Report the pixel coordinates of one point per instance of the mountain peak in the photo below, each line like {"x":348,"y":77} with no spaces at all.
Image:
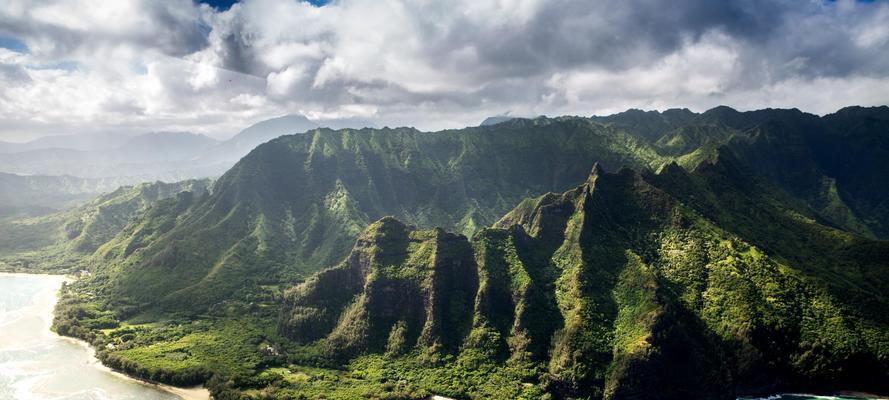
{"x":266,"y":130}
{"x":670,"y":168}
{"x":722,"y":114}
{"x":385,"y":229}
{"x":496,"y":120}
{"x":595,"y":173}
{"x":881,"y":112}
{"x":722,"y":109}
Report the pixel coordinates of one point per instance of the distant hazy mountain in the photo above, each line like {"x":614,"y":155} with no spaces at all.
{"x":254,"y":135}
{"x":269,"y":129}
{"x":83,"y":142}
{"x":34,"y":195}
{"x":165,"y":156}
{"x":495,"y":120}
{"x":243,"y":142}
{"x":165,"y":146}
{"x":152,"y":156}
{"x":10,"y":147}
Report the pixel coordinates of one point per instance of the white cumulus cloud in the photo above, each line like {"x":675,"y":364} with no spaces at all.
{"x":139,"y":65}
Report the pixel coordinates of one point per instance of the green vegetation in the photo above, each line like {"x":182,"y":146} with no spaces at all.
{"x":297,"y":203}
{"x":64,"y":241}
{"x":641,"y":283}
{"x":748,"y":263}
{"x":23,"y":196}
{"x":236,"y":341}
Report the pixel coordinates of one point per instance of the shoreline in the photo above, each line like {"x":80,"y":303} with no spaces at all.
{"x":202,"y":393}
{"x":65,"y":277}
{"x":186,"y":393}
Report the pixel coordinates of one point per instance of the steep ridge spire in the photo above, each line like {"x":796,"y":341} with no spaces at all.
{"x":595,"y":173}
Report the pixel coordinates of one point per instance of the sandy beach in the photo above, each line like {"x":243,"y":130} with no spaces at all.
{"x":33,"y":329}
{"x":192,"y":393}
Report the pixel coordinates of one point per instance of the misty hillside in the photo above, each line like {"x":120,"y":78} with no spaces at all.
{"x":62,"y":239}
{"x":165,"y":156}
{"x":35,"y":195}
{"x":82,"y":142}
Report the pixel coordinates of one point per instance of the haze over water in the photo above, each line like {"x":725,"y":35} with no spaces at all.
{"x":36,"y":364}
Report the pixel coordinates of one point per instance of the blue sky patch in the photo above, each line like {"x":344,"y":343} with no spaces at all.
{"x":223,"y":5}
{"x":69,"y":66}
{"x":11,"y":43}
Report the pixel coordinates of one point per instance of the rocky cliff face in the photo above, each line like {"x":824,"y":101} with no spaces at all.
{"x":748,"y":263}
{"x":296,"y":204}
{"x":616,"y":288}
{"x":399,"y":289}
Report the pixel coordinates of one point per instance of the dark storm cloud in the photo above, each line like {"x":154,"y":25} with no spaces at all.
{"x":621,"y":34}
{"x":237,"y":55}
{"x":615,"y":34}
{"x":178,"y":37}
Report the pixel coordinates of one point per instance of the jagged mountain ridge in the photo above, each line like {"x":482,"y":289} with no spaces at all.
{"x":552,"y":305}
{"x":619,"y":288}
{"x":810,"y":157}
{"x":295,"y":204}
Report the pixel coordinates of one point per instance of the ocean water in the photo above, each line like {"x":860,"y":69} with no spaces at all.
{"x":36,"y":364}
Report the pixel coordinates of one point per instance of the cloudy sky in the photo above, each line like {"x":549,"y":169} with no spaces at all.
{"x":69,"y":66}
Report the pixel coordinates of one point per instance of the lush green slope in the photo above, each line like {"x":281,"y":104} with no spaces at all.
{"x":618,"y":289}
{"x":853,"y":151}
{"x":834,"y":164}
{"x":59,"y":241}
{"x":749,"y":259}
{"x":296,"y":204}
{"x":28,"y":196}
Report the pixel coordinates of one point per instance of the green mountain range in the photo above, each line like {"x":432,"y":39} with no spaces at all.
{"x":35,"y":195}
{"x":63,"y":241}
{"x":618,"y":289}
{"x":738,"y":253}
